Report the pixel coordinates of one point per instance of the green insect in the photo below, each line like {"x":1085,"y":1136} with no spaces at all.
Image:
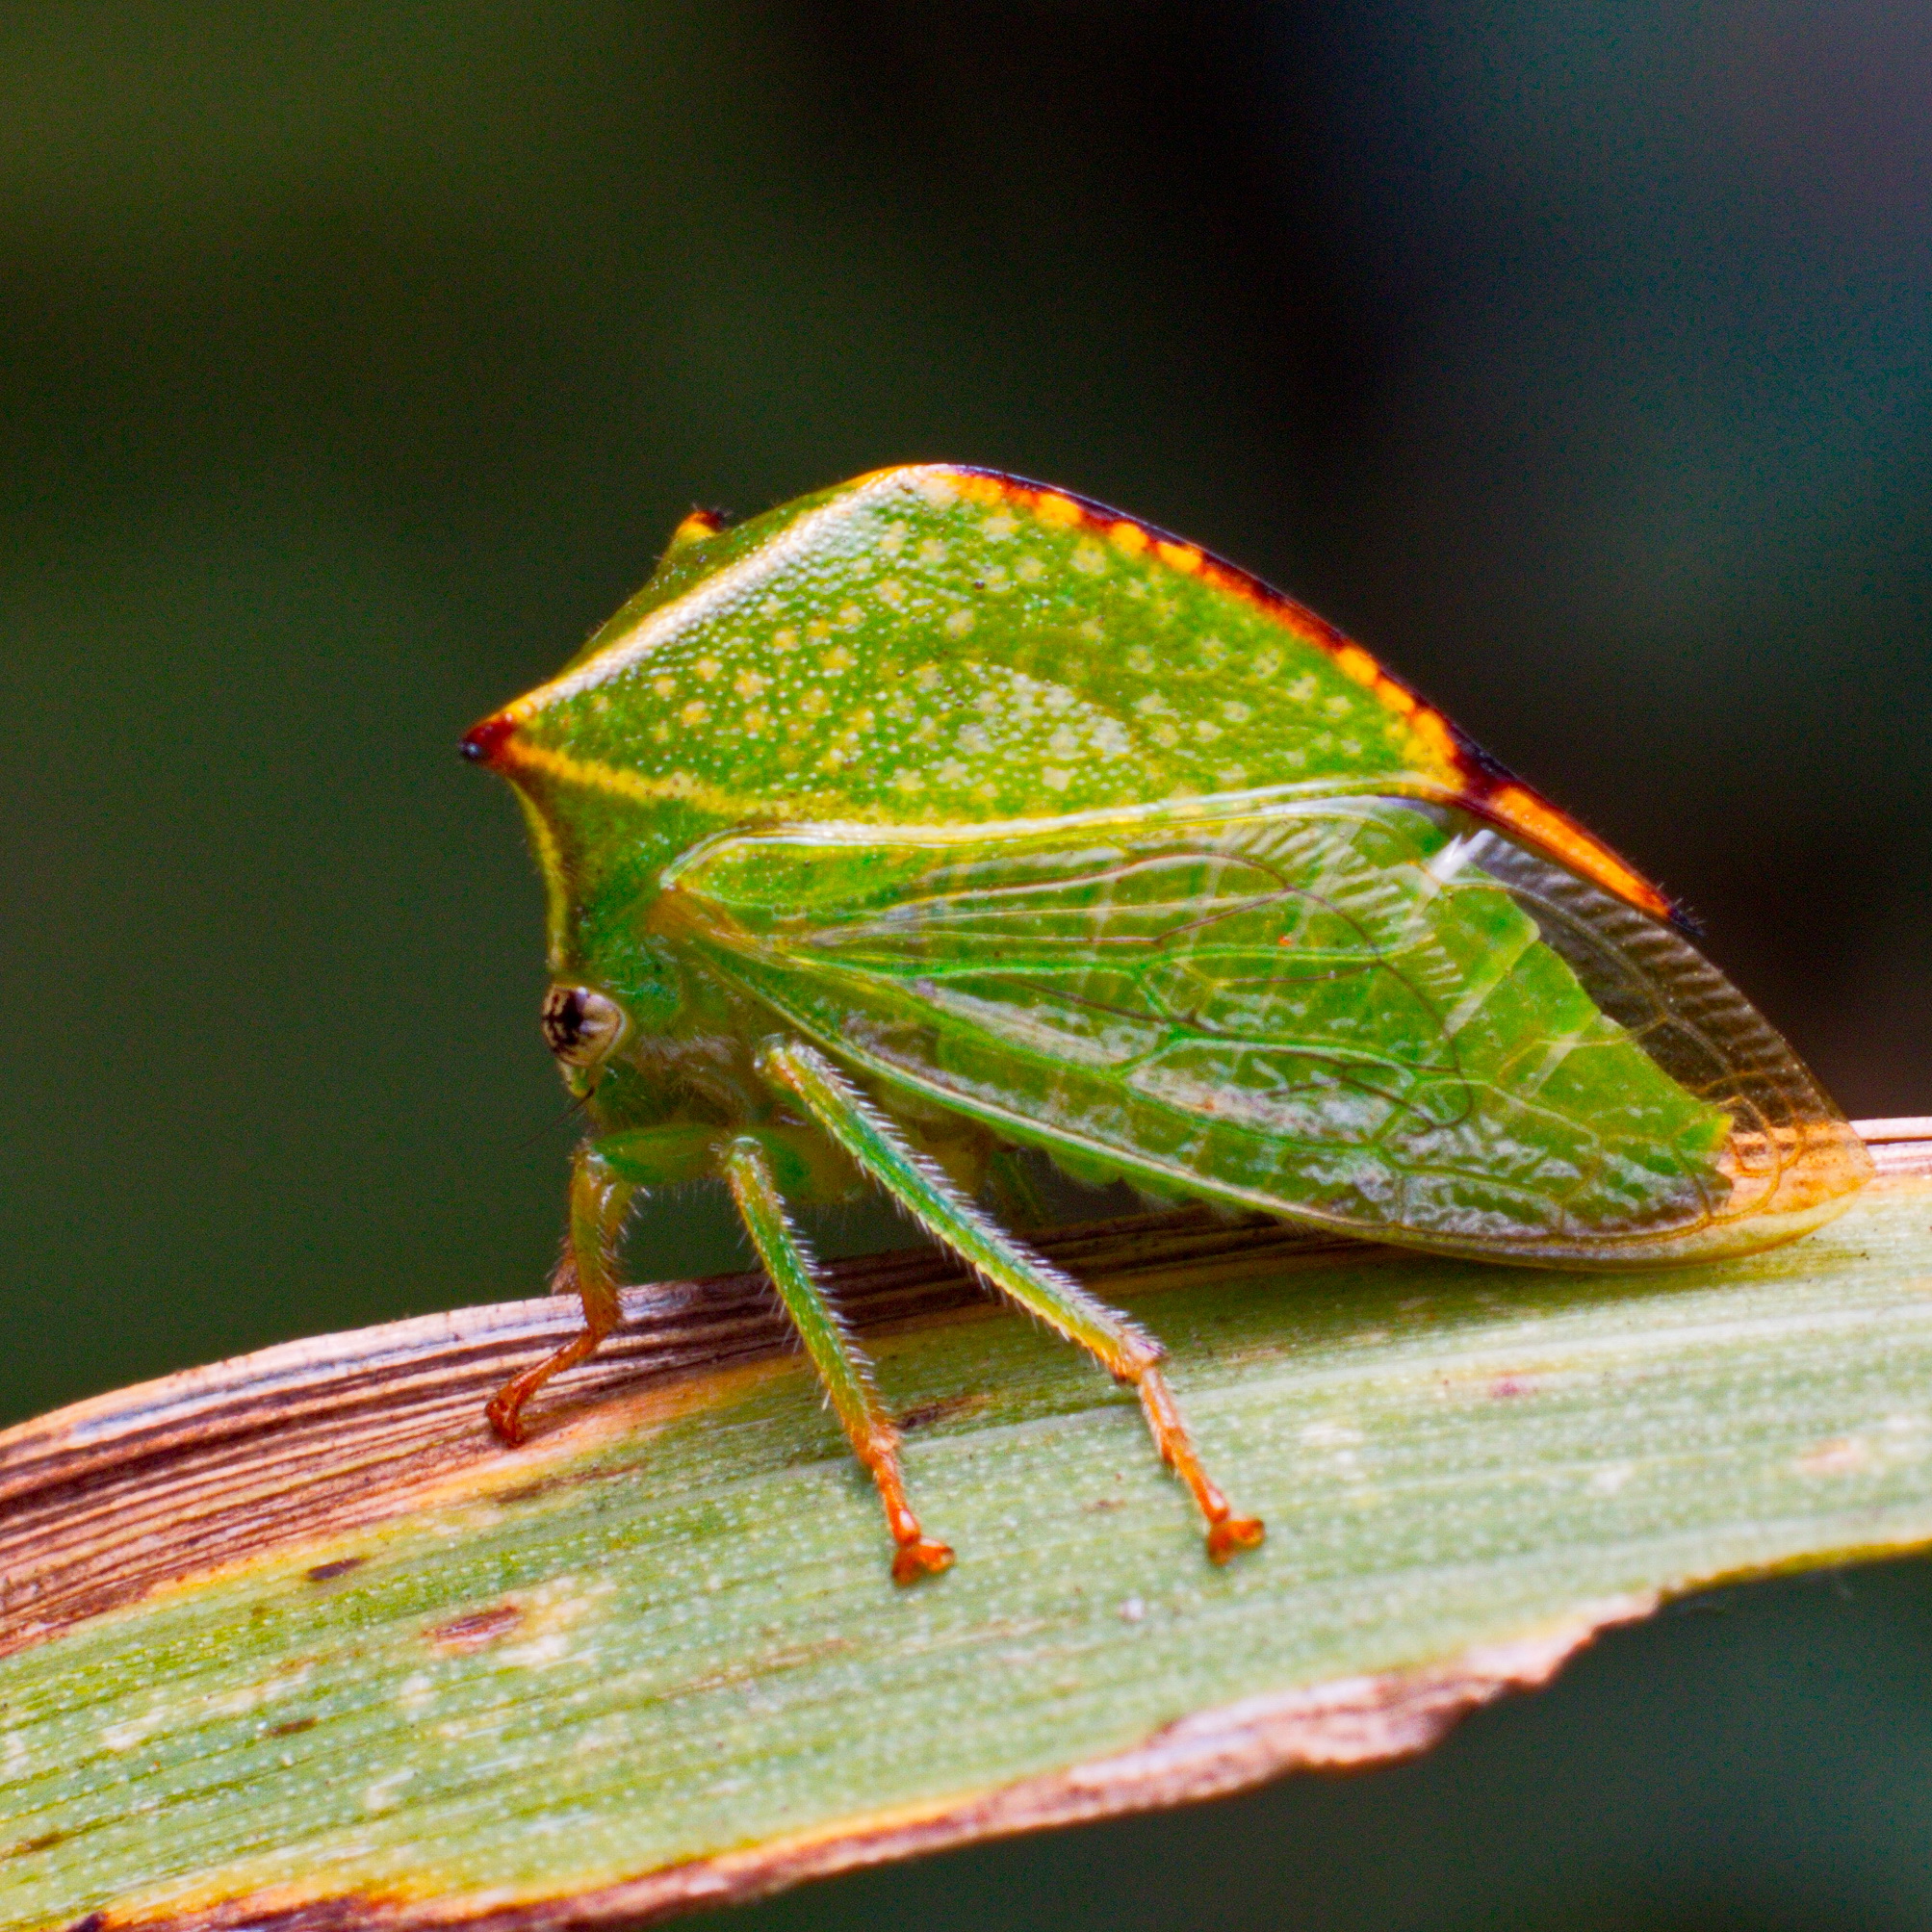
{"x":941,"y":816}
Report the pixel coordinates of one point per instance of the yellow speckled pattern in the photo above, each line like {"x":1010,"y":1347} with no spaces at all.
{"x":933,"y":645}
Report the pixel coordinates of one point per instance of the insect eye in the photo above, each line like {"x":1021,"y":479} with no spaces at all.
{"x":580,"y":1027}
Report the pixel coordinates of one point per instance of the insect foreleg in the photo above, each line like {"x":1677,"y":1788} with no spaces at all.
{"x":599,"y":1200}
{"x":1120,"y":1347}
{"x":840,"y":1363}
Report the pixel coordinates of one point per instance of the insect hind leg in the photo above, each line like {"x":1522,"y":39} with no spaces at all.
{"x":1226,"y":1532}
{"x":1121,"y":1346}
{"x":841,"y":1362}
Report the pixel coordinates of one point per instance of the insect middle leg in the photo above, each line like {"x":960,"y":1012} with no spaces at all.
{"x":1123,"y":1349}
{"x":841,"y":1364}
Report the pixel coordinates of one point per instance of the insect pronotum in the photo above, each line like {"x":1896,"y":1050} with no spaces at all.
{"x":941,"y":814}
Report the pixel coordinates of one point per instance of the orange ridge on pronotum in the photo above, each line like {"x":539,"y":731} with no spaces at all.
{"x":1486,"y":787}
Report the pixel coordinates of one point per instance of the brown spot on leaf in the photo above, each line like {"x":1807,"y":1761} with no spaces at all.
{"x":547,"y":1485}
{"x":326,"y":1573}
{"x":292,"y":1727}
{"x":769,"y":1664}
{"x":922,"y":1415}
{"x":29,"y":1846}
{"x":476,"y":1630}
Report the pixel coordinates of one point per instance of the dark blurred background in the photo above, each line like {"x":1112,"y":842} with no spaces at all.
{"x":356,"y":360}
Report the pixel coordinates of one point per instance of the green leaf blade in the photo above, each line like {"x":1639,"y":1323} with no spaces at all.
{"x":657,"y":1657}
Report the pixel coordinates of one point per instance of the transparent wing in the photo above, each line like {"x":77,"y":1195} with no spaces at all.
{"x":1358,"y":1013}
{"x":1789,"y":1147}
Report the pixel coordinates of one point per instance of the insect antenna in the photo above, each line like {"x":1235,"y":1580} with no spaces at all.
{"x":573,"y":1108}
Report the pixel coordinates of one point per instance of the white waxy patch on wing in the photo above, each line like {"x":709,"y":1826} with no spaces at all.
{"x":1452,"y":858}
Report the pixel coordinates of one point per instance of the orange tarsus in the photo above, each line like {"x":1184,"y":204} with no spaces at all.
{"x":505,"y":1407}
{"x":1232,"y":1534}
{"x":917,"y":1555}
{"x":918,"y":1558}
{"x":504,"y":1410}
{"x":1226,"y":1532}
